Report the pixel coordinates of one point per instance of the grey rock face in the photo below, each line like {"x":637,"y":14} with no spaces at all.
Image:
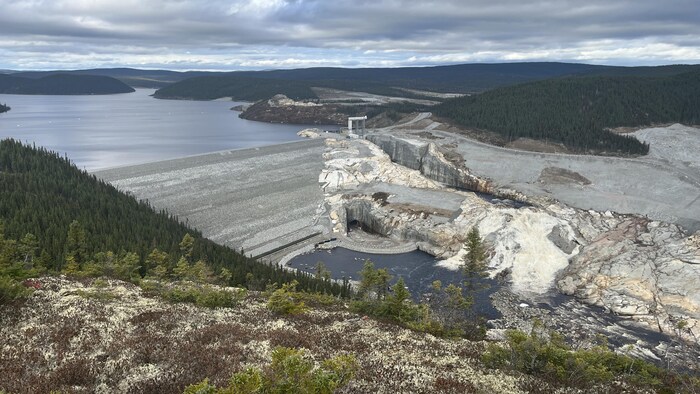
{"x":560,"y":237}
{"x":402,"y":152}
{"x":428,"y":158}
{"x":642,"y":269}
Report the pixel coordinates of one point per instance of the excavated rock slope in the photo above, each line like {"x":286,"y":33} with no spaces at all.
{"x":646,"y":270}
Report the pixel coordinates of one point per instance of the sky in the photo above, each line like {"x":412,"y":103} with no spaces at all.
{"x":273,"y":34}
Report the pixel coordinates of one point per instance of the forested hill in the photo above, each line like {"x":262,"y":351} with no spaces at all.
{"x":239,"y":87}
{"x":43,"y":194}
{"x":4,"y":108}
{"x":576,"y":111}
{"x":296,"y":83}
{"x":130,"y":76}
{"x":461,"y":78}
{"x":62,"y":84}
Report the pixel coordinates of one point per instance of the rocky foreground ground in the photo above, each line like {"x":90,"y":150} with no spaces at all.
{"x":109,"y":337}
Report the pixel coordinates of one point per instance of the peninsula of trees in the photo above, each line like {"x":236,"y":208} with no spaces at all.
{"x":62,"y":84}
{"x":580,"y":111}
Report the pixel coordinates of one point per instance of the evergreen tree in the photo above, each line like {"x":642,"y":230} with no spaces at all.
{"x":373,"y":282}
{"x":182,"y":269}
{"x":127,"y":267}
{"x":322,"y":272}
{"x":200,"y":272}
{"x":399,"y":303}
{"x":474,"y":265}
{"x":76,"y":244}
{"x":157,"y":261}
{"x":187,"y":246}
{"x":28,"y":247}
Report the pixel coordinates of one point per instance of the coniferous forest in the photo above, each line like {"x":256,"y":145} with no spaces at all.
{"x":60,"y":215}
{"x":577,"y":111}
{"x":62,"y":84}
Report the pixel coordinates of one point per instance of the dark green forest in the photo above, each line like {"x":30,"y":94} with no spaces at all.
{"x":4,"y":108}
{"x":576,"y":111}
{"x":240,"y":88}
{"x":60,"y":206}
{"x":61,"y":84}
{"x":297,"y":83}
{"x":461,"y":78}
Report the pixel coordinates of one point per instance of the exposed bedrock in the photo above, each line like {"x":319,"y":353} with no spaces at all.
{"x":431,"y":160}
{"x":648,"y":271}
{"x":643,"y":269}
{"x":387,"y":221}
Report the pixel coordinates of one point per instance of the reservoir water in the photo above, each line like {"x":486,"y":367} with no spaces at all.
{"x":114,"y":130}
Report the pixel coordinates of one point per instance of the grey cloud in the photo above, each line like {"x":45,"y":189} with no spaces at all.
{"x":414,"y":28}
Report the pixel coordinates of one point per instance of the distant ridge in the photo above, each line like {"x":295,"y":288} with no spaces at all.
{"x":62,"y":84}
{"x":131,"y":76}
{"x":462,"y":78}
{"x":459,"y":78}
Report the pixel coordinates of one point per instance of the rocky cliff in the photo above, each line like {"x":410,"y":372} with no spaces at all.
{"x":431,"y":161}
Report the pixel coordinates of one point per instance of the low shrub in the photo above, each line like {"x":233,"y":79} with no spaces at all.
{"x":206,"y":296}
{"x":11,"y":290}
{"x":291,"y":371}
{"x":286,"y":300}
{"x":547,"y":356}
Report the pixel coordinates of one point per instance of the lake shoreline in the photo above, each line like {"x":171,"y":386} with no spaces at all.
{"x":104,"y":131}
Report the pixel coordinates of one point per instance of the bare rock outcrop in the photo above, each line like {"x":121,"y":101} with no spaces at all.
{"x":644,"y":270}
{"x":310,"y":133}
{"x":519,"y":236}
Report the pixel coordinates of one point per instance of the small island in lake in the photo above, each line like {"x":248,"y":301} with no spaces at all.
{"x":4,"y":108}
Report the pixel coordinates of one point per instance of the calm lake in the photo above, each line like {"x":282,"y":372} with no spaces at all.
{"x":114,"y":130}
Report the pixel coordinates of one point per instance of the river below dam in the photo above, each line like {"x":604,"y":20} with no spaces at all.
{"x":417,"y":268}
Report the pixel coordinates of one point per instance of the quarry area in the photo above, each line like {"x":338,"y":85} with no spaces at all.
{"x":617,"y":234}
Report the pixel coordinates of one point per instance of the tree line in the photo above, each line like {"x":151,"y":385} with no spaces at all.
{"x":76,"y":221}
{"x":579,"y":111}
